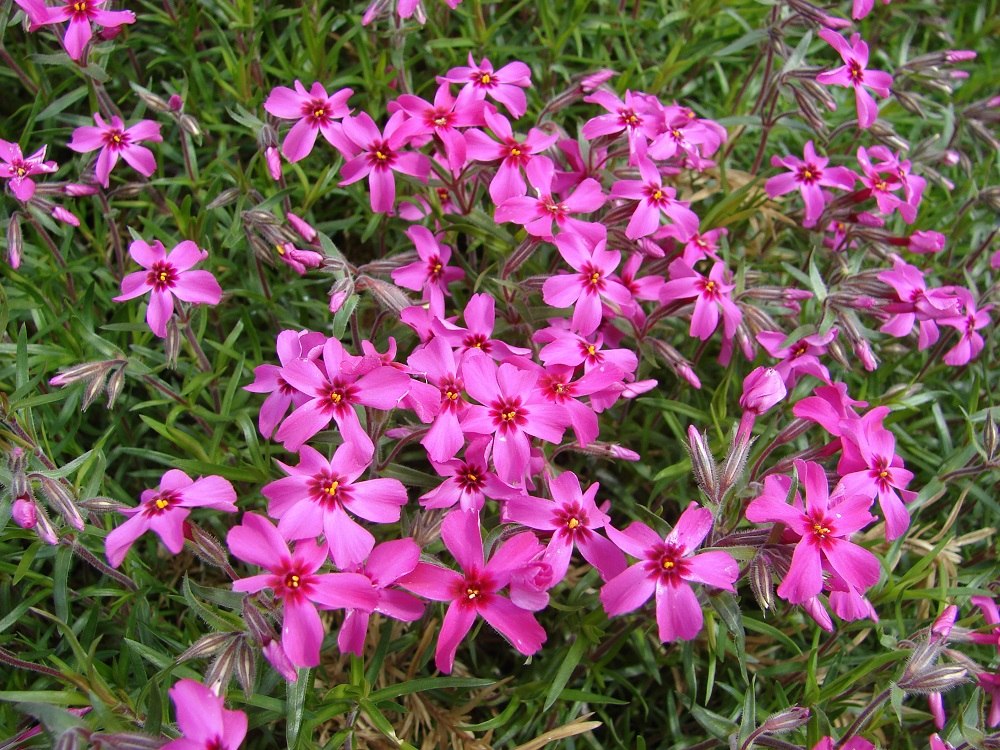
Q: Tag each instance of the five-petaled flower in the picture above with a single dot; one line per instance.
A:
(204, 719)
(115, 140)
(168, 276)
(854, 72)
(80, 14)
(18, 169)
(316, 111)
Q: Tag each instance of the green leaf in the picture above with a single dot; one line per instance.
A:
(565, 671)
(296, 704)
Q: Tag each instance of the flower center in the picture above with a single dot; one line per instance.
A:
(292, 581)
(80, 7)
(709, 287)
(591, 350)
(820, 530)
(629, 117)
(657, 194)
(471, 593)
(882, 186)
(572, 523)
(330, 487)
(856, 72)
(477, 341)
(485, 78)
(471, 478)
(160, 503)
(799, 349)
(20, 171)
(161, 276)
(808, 173)
(507, 414)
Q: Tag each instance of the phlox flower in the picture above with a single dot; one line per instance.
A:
(380, 155)
(317, 495)
(80, 14)
(823, 525)
(654, 200)
(115, 140)
(711, 297)
(475, 591)
(404, 9)
(967, 323)
(291, 345)
(861, 8)
(431, 274)
(505, 85)
(682, 134)
(808, 175)
(17, 169)
(443, 119)
(573, 518)
(480, 317)
(436, 361)
(829, 407)
(889, 175)
(593, 282)
(631, 115)
(316, 112)
(387, 563)
(513, 154)
(799, 358)
(557, 385)
(916, 303)
(164, 510)
(469, 481)
(855, 743)
(512, 410)
(567, 348)
(854, 72)
(991, 614)
(537, 215)
(666, 568)
(167, 276)
(293, 578)
(204, 720)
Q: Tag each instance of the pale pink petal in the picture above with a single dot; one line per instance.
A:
(285, 103)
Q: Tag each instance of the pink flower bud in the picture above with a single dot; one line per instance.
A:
(175, 103)
(24, 513)
(995, 260)
(959, 55)
(685, 371)
(942, 626)
(273, 162)
(926, 242)
(762, 389)
(304, 229)
(14, 241)
(75, 190)
(592, 81)
(60, 213)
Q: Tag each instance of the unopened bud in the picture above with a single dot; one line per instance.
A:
(76, 373)
(61, 500)
(60, 213)
(389, 296)
(959, 55)
(24, 513)
(76, 190)
(221, 670)
(761, 582)
(991, 438)
(190, 126)
(207, 547)
(926, 242)
(942, 626)
(227, 196)
(15, 241)
(255, 217)
(278, 659)
(591, 81)
(605, 450)
(300, 225)
(936, 680)
(262, 633)
(172, 343)
(273, 161)
(124, 741)
(102, 505)
(246, 666)
(114, 387)
(339, 293)
(90, 392)
(44, 528)
(150, 99)
(175, 103)
(786, 720)
(734, 464)
(762, 389)
(207, 645)
(703, 463)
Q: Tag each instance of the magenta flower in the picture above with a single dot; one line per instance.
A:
(762, 389)
(480, 317)
(633, 116)
(380, 156)
(443, 118)
(666, 568)
(80, 14)
(512, 409)
(168, 276)
(431, 274)
(204, 720)
(316, 112)
(512, 153)
(654, 199)
(291, 345)
(808, 175)
(823, 526)
(684, 135)
(593, 282)
(436, 362)
(17, 169)
(573, 518)
(854, 73)
(475, 591)
(537, 215)
(469, 481)
(164, 510)
(970, 343)
(334, 385)
(556, 384)
(317, 495)
(571, 349)
(711, 296)
(293, 578)
(115, 141)
(387, 563)
(504, 85)
(799, 358)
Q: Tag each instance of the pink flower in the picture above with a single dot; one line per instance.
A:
(204, 720)
(854, 73)
(443, 118)
(654, 199)
(970, 343)
(293, 578)
(80, 14)
(667, 567)
(381, 156)
(480, 317)
(436, 361)
(316, 112)
(512, 153)
(808, 175)
(762, 389)
(431, 274)
(115, 141)
(504, 85)
(711, 295)
(469, 481)
(317, 494)
(291, 345)
(475, 591)
(164, 509)
(573, 518)
(633, 115)
(18, 169)
(168, 276)
(387, 563)
(799, 358)
(537, 215)
(823, 527)
(512, 409)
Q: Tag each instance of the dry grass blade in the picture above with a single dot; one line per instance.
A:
(578, 726)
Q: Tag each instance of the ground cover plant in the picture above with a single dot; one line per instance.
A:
(489, 375)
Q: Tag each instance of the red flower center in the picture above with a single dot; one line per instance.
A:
(160, 503)
(808, 173)
(161, 276)
(856, 72)
(571, 519)
(477, 341)
(507, 413)
(474, 590)
(667, 561)
(338, 396)
(317, 112)
(115, 139)
(592, 278)
(629, 118)
(471, 478)
(380, 156)
(517, 153)
(484, 79)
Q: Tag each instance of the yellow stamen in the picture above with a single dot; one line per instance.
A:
(163, 276)
(573, 523)
(515, 151)
(280, 249)
(595, 277)
(336, 397)
(485, 79)
(591, 350)
(293, 581)
(80, 7)
(709, 286)
(472, 477)
(821, 530)
(331, 489)
(471, 593)
(440, 121)
(657, 195)
(668, 564)
(451, 395)
(319, 112)
(437, 268)
(883, 474)
(161, 503)
(380, 156)
(509, 416)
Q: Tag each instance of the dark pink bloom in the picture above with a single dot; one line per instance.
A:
(854, 72)
(475, 591)
(480, 317)
(318, 495)
(164, 509)
(711, 296)
(80, 14)
(557, 385)
(682, 134)
(335, 384)
(537, 215)
(861, 8)
(267, 378)
(762, 389)
(431, 274)
(633, 116)
(828, 406)
(443, 118)
(504, 85)
(114, 141)
(667, 567)
(168, 276)
(512, 153)
(967, 323)
(204, 720)
(512, 409)
(17, 169)
(823, 527)
(316, 112)
(293, 578)
(808, 175)
(593, 282)
(990, 683)
(916, 303)
(573, 518)
(799, 358)
(436, 361)
(469, 481)
(567, 348)
(654, 199)
(387, 563)
(380, 156)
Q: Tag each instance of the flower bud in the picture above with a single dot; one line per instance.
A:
(926, 242)
(114, 387)
(273, 160)
(221, 670)
(206, 646)
(991, 438)
(172, 343)
(304, 229)
(388, 296)
(246, 666)
(592, 81)
(959, 55)
(227, 196)
(175, 103)
(15, 241)
(256, 624)
(936, 680)
(60, 213)
(75, 190)
(941, 628)
(786, 720)
(24, 513)
(151, 100)
(190, 126)
(44, 528)
(761, 582)
(61, 500)
(732, 467)
(762, 389)
(702, 463)
(339, 293)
